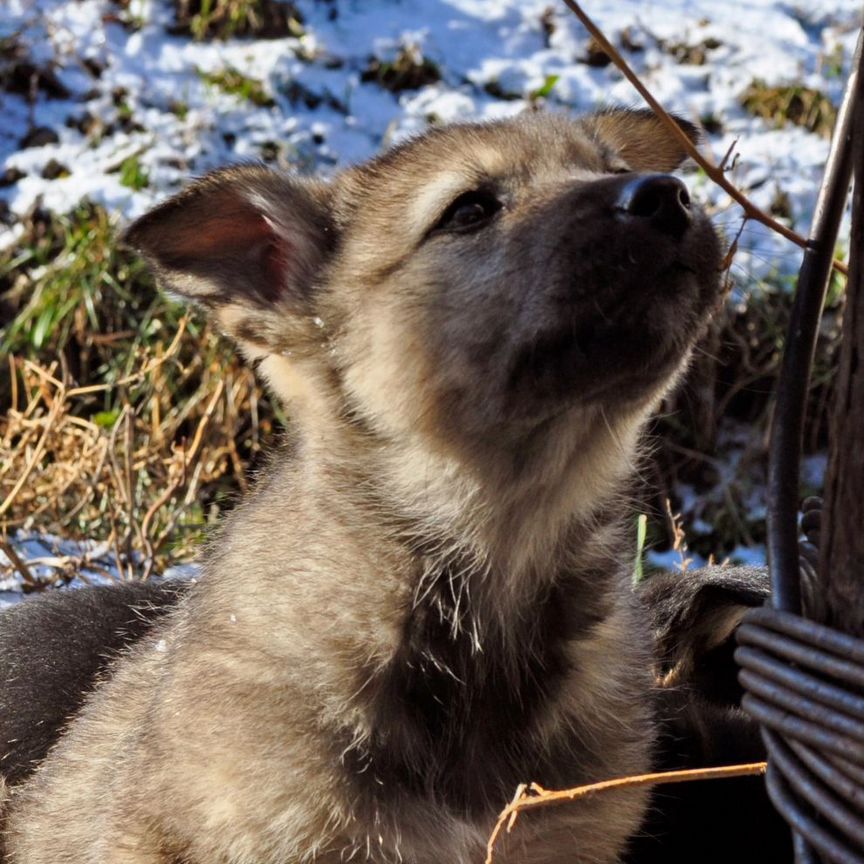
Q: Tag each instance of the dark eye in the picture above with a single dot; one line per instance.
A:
(470, 210)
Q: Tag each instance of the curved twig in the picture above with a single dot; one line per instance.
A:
(715, 173)
(532, 797)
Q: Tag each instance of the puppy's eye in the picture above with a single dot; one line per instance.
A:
(469, 211)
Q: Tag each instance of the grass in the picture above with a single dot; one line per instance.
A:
(235, 83)
(544, 91)
(691, 54)
(123, 417)
(641, 536)
(796, 104)
(133, 175)
(408, 70)
(224, 19)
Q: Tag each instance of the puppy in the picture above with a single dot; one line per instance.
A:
(694, 617)
(423, 603)
(52, 650)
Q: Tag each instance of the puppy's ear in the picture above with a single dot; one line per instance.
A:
(695, 611)
(246, 243)
(694, 617)
(642, 139)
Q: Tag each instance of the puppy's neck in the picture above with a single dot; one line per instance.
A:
(516, 522)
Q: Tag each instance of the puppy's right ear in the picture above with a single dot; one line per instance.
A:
(248, 244)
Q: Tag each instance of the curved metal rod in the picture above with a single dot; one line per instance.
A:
(820, 839)
(800, 729)
(808, 788)
(818, 635)
(801, 693)
(794, 650)
(788, 420)
(834, 779)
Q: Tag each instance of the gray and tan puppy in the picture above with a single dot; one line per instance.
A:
(423, 603)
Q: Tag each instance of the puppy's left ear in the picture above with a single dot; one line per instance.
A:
(248, 244)
(642, 139)
(694, 616)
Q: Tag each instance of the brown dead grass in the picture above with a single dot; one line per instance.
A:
(123, 418)
(138, 484)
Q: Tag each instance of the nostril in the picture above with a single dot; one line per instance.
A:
(661, 199)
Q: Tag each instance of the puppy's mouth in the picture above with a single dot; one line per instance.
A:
(592, 364)
(619, 347)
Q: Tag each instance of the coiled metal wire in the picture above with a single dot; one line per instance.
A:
(805, 685)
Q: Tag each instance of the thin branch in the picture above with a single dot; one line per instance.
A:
(188, 458)
(533, 797)
(18, 563)
(714, 173)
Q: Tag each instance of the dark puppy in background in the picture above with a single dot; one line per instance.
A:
(425, 603)
(694, 616)
(52, 650)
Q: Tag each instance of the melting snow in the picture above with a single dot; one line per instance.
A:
(148, 91)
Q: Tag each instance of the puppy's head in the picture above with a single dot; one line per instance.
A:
(481, 287)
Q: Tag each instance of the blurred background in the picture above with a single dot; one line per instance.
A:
(127, 425)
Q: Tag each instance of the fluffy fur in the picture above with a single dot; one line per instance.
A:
(52, 649)
(422, 605)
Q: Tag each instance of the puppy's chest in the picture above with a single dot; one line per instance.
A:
(456, 714)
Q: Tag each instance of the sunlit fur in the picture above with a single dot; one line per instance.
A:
(425, 602)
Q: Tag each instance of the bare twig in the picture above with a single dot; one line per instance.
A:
(714, 172)
(13, 381)
(534, 797)
(18, 563)
(135, 377)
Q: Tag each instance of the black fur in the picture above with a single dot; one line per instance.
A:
(52, 649)
(702, 725)
(463, 704)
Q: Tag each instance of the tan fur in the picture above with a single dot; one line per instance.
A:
(290, 709)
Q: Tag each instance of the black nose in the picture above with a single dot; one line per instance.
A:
(659, 198)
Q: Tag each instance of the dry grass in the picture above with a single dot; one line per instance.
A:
(125, 418)
(223, 19)
(408, 70)
(795, 104)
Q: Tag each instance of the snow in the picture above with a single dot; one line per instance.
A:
(95, 563)
(325, 116)
(474, 42)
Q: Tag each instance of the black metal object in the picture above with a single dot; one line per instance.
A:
(805, 685)
(805, 681)
(786, 430)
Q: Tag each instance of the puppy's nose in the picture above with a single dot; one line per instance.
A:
(660, 198)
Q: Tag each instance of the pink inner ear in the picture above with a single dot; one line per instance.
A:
(244, 234)
(233, 229)
(275, 257)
